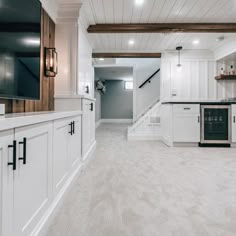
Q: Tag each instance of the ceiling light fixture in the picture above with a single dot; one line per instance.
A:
(139, 2)
(179, 66)
(196, 42)
(131, 42)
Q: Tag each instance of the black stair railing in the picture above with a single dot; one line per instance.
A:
(149, 79)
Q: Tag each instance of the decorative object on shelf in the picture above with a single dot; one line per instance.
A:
(232, 71)
(101, 86)
(50, 60)
(179, 48)
(2, 109)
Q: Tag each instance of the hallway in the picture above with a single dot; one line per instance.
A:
(147, 189)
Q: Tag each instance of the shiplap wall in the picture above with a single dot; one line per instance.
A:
(196, 79)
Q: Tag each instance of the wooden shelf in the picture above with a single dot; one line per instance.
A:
(226, 77)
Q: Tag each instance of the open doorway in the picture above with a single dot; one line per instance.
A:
(114, 94)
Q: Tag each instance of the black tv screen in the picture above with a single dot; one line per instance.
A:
(20, 34)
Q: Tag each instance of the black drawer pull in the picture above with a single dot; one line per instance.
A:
(198, 119)
(73, 127)
(234, 119)
(24, 151)
(13, 163)
(91, 107)
(187, 108)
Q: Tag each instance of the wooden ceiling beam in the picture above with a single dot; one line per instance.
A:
(164, 28)
(126, 55)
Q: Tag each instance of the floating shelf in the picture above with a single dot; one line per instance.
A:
(226, 77)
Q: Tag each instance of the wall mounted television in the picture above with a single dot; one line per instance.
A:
(20, 43)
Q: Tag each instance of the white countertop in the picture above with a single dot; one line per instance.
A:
(15, 120)
(74, 97)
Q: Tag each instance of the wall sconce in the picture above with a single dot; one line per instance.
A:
(50, 60)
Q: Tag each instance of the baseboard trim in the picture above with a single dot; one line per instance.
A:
(116, 121)
(55, 203)
(39, 230)
(98, 123)
(90, 152)
(144, 137)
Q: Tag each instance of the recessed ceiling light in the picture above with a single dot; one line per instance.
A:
(101, 59)
(196, 42)
(131, 42)
(139, 2)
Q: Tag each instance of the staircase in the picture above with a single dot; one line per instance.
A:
(148, 126)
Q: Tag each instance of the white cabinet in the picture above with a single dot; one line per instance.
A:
(67, 150)
(32, 178)
(75, 151)
(6, 183)
(233, 118)
(26, 181)
(88, 125)
(186, 123)
(35, 161)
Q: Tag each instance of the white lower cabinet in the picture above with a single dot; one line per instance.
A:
(88, 129)
(186, 123)
(233, 118)
(67, 151)
(35, 162)
(26, 181)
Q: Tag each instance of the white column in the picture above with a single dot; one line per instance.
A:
(67, 38)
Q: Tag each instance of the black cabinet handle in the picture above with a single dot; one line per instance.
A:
(24, 151)
(71, 128)
(198, 119)
(234, 119)
(91, 106)
(13, 163)
(187, 108)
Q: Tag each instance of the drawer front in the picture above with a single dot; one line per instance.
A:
(186, 109)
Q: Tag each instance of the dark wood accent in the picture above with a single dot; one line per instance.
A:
(126, 55)
(226, 77)
(46, 102)
(164, 28)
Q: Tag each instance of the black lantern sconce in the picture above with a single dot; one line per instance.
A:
(50, 60)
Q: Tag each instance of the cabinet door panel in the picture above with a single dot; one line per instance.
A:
(75, 144)
(233, 123)
(60, 154)
(6, 183)
(32, 181)
(186, 128)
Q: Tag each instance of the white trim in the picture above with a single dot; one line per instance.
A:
(90, 152)
(98, 123)
(117, 121)
(148, 137)
(55, 204)
(52, 210)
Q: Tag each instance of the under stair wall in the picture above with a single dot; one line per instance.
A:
(148, 127)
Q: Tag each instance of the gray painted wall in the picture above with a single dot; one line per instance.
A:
(117, 103)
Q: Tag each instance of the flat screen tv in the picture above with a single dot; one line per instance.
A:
(20, 34)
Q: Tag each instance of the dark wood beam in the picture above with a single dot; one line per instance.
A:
(164, 28)
(126, 55)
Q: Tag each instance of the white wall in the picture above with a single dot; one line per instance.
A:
(143, 68)
(196, 80)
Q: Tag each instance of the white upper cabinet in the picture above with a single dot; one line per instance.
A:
(186, 123)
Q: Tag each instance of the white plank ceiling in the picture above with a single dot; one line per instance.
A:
(157, 11)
